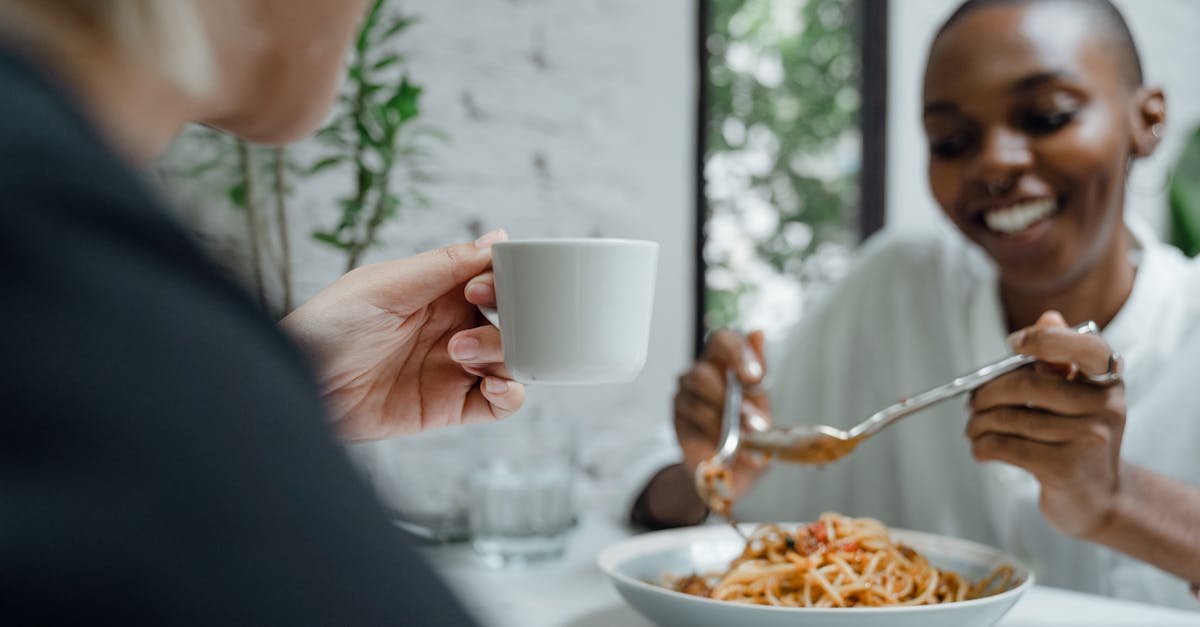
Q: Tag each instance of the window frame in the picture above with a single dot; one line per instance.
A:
(872, 209)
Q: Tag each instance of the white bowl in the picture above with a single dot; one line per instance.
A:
(635, 565)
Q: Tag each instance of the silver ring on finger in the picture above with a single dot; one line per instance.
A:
(1116, 365)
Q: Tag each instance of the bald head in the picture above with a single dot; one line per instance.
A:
(1107, 22)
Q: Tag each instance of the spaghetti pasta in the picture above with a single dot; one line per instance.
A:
(836, 562)
(718, 488)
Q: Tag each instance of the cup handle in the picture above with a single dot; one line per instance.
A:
(491, 313)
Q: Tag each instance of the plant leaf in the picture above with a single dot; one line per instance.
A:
(404, 102)
(332, 134)
(203, 168)
(325, 164)
(1184, 199)
(332, 239)
(370, 89)
(237, 194)
(369, 23)
(398, 26)
(391, 204)
(386, 62)
(351, 212)
(364, 134)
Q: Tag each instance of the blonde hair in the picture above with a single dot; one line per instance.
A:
(168, 35)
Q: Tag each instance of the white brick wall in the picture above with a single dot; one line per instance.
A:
(568, 118)
(565, 118)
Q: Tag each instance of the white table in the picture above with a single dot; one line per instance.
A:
(572, 592)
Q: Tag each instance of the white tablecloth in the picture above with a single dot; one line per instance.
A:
(572, 592)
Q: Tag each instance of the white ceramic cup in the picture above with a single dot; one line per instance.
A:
(574, 310)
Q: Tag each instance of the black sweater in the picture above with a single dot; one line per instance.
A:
(164, 457)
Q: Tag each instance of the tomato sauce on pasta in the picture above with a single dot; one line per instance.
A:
(836, 562)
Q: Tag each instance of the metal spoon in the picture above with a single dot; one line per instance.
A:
(822, 444)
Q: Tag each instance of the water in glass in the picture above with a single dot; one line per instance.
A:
(520, 512)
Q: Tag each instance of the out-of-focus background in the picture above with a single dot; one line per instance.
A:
(756, 140)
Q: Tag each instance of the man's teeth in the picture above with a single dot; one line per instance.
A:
(1017, 218)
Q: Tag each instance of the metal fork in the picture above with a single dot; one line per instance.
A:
(714, 476)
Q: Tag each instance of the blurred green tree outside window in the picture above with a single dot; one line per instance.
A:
(782, 156)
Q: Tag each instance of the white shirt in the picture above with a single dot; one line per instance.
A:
(920, 309)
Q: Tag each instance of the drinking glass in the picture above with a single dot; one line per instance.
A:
(520, 503)
(421, 480)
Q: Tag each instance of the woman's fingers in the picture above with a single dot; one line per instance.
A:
(480, 345)
(757, 393)
(493, 399)
(1034, 388)
(488, 370)
(1056, 343)
(1066, 433)
(1062, 353)
(696, 419)
(1039, 458)
(706, 382)
(479, 352)
(481, 290)
(1035, 425)
(727, 349)
(700, 397)
(406, 285)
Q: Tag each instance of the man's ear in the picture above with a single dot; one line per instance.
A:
(1149, 120)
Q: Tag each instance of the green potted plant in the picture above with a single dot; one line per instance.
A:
(369, 133)
(373, 137)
